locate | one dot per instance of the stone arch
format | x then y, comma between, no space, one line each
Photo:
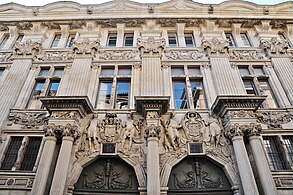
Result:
228,168
217,178
81,163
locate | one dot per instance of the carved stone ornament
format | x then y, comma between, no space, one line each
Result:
151,46
246,55
215,46
194,126
242,114
110,128
6,57
153,131
243,130
274,46
67,130
113,22
117,55
284,181
274,120
3,27
184,54
27,48
86,46
55,56
171,22
28,120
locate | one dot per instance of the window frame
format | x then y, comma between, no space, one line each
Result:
112,37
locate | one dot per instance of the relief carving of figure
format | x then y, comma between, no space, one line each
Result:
132,134
215,131
90,138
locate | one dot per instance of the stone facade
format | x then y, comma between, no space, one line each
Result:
169,98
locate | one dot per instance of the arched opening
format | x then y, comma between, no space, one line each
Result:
198,175
107,175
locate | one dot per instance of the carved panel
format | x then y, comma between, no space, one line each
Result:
27,48
246,55
86,46
274,46
274,120
118,55
28,120
107,175
215,46
198,175
184,54
55,56
151,45
113,22
6,57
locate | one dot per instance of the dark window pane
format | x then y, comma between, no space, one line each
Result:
258,71
58,72
288,142
56,41
180,95
189,40
31,153
107,72
11,153
249,87
177,71
172,40
244,71
230,40
44,72
245,40
53,88
124,71
128,40
1,71
112,40
194,71
3,41
70,39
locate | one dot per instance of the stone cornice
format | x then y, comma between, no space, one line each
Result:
151,103
81,104
236,102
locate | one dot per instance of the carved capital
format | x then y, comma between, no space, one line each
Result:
151,46
86,46
243,130
28,48
215,46
153,130
51,130
274,46
137,65
70,130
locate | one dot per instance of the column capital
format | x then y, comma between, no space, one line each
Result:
151,46
274,47
215,47
153,131
28,49
86,47
243,130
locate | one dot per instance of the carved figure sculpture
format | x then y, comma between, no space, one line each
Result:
172,135
132,134
91,131
215,131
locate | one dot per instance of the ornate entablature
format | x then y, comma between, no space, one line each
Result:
181,54
246,55
28,48
274,119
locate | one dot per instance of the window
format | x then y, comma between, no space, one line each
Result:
172,38
69,43
189,41
181,81
256,82
280,157
28,146
245,40
3,41
283,38
230,40
112,39
56,41
19,39
114,87
46,84
128,40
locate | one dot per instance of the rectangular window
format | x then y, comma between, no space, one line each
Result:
172,38
230,38
11,153
249,87
58,72
180,96
104,95
112,39
122,94
245,40
128,40
189,41
177,71
56,41
244,71
107,71
194,71
70,39
44,71
3,41
272,146
31,154
38,87
124,71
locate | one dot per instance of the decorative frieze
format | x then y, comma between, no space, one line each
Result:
55,56
17,181
135,22
246,55
117,55
283,181
28,120
6,57
274,119
195,54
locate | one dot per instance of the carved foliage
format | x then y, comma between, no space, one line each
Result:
215,46
6,57
117,55
151,46
274,46
67,130
29,120
113,22
27,48
245,55
153,131
55,56
274,120
243,130
86,46
184,55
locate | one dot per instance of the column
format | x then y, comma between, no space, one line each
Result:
153,168
61,169
262,165
244,167
44,166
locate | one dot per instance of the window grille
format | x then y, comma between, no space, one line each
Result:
11,153
31,154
